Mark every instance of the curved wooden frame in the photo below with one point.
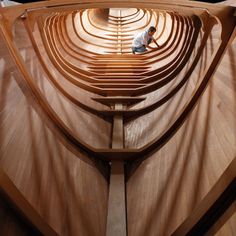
(159, 141)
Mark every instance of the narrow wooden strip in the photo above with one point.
(116, 217)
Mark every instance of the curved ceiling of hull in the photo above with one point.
(75, 102)
(107, 31)
(86, 52)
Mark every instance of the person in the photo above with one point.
(143, 39)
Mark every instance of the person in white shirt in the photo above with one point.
(142, 40)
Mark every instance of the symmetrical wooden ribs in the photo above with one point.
(89, 51)
(116, 74)
(84, 55)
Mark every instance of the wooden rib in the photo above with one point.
(126, 83)
(174, 65)
(23, 206)
(213, 206)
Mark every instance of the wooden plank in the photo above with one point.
(116, 217)
(118, 129)
(108, 101)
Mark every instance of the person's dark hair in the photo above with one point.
(152, 29)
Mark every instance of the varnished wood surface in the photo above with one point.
(11, 222)
(116, 216)
(58, 102)
(179, 175)
(18, 211)
(60, 183)
(52, 131)
(215, 208)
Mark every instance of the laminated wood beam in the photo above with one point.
(116, 217)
